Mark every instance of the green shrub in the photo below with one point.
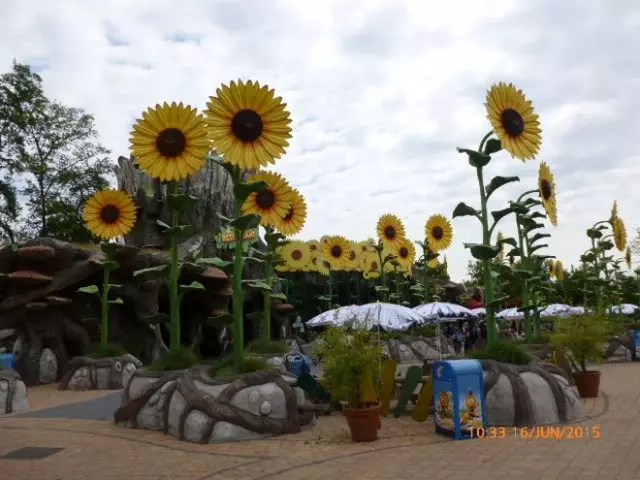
(506, 351)
(266, 347)
(349, 359)
(536, 339)
(225, 368)
(109, 350)
(427, 331)
(583, 336)
(178, 360)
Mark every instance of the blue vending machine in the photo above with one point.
(458, 398)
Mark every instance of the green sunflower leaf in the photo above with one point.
(531, 202)
(179, 231)
(215, 262)
(160, 270)
(493, 145)
(499, 214)
(594, 233)
(523, 273)
(116, 301)
(464, 210)
(274, 238)
(223, 320)
(181, 201)
(480, 251)
(476, 159)
(109, 249)
(279, 296)
(242, 190)
(259, 285)
(90, 289)
(497, 182)
(537, 247)
(534, 215)
(245, 222)
(539, 236)
(191, 287)
(508, 241)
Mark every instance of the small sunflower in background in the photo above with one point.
(619, 234)
(323, 266)
(551, 268)
(365, 247)
(336, 250)
(293, 221)
(323, 240)
(514, 121)
(297, 255)
(558, 270)
(248, 124)
(614, 211)
(500, 246)
(627, 257)
(272, 203)
(405, 254)
(354, 257)
(390, 229)
(110, 214)
(170, 142)
(438, 232)
(314, 246)
(547, 189)
(370, 266)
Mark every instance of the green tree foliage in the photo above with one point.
(50, 155)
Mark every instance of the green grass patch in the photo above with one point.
(176, 360)
(264, 347)
(506, 351)
(225, 368)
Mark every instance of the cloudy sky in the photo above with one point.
(381, 93)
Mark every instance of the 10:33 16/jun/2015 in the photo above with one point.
(539, 432)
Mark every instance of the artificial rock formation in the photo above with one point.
(13, 392)
(417, 350)
(109, 373)
(192, 406)
(534, 394)
(43, 318)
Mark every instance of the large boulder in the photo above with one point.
(13, 392)
(534, 394)
(192, 406)
(108, 373)
(417, 350)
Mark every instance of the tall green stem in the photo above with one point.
(174, 277)
(266, 312)
(238, 294)
(486, 264)
(104, 310)
(525, 283)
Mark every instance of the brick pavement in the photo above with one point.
(406, 450)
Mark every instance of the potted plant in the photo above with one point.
(583, 336)
(351, 365)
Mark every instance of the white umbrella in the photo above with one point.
(334, 317)
(439, 311)
(624, 309)
(388, 316)
(579, 310)
(480, 312)
(555, 310)
(510, 313)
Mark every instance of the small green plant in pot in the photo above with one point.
(583, 336)
(352, 360)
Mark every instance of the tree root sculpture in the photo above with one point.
(192, 406)
(13, 392)
(534, 394)
(109, 373)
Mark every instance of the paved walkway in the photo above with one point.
(95, 450)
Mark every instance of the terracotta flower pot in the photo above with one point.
(588, 383)
(363, 423)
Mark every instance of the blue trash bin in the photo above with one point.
(6, 360)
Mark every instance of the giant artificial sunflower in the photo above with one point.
(390, 229)
(248, 124)
(547, 189)
(110, 214)
(336, 250)
(558, 270)
(627, 257)
(438, 232)
(619, 233)
(314, 246)
(297, 255)
(514, 120)
(170, 142)
(614, 210)
(405, 254)
(295, 217)
(370, 265)
(272, 203)
(353, 263)
(323, 266)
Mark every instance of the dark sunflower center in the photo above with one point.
(296, 255)
(265, 199)
(374, 265)
(437, 233)
(171, 142)
(247, 125)
(289, 215)
(512, 122)
(336, 251)
(404, 252)
(390, 232)
(352, 255)
(109, 214)
(545, 189)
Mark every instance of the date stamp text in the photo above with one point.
(540, 432)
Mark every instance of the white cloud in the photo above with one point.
(381, 93)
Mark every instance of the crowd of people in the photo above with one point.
(466, 337)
